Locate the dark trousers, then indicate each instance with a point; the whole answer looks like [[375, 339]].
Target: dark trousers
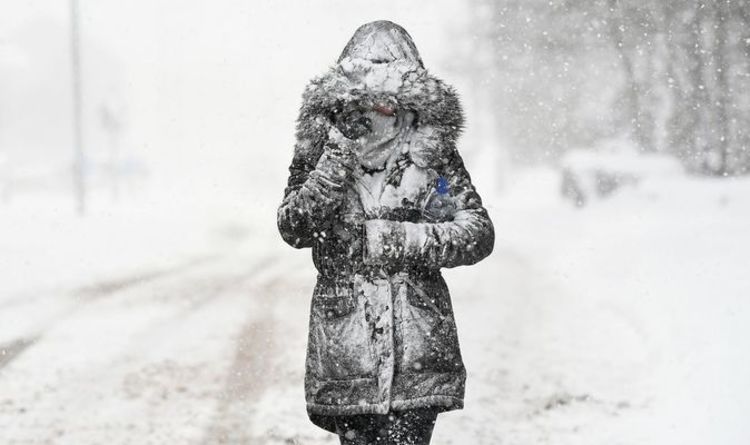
[[409, 427]]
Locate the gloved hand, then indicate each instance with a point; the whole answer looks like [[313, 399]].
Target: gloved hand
[[349, 230], [351, 121], [338, 163]]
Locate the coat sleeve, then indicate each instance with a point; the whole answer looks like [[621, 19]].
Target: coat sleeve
[[318, 176], [465, 240]]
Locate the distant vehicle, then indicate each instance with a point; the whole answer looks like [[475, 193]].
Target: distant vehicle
[[590, 175]]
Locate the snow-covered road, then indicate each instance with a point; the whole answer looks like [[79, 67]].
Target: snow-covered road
[[134, 358], [583, 327], [212, 351]]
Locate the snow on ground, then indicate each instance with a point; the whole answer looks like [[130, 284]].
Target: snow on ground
[[623, 322]]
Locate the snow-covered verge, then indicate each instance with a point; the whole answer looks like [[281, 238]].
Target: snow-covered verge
[[48, 252], [626, 321]]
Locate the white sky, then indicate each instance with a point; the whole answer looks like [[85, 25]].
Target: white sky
[[207, 86]]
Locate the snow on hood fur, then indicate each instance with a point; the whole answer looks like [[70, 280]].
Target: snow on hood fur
[[381, 64]]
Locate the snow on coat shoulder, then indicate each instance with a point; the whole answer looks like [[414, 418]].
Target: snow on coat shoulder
[[382, 335]]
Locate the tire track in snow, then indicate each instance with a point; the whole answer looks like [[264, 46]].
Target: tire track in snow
[[185, 294], [87, 294], [79, 297], [107, 286], [10, 351], [249, 375], [111, 286], [259, 354]]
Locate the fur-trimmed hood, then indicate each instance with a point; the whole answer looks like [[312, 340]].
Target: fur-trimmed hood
[[380, 65]]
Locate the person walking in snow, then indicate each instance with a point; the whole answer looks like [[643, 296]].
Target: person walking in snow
[[380, 193]]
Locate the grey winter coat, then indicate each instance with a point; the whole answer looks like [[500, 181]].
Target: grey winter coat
[[382, 333]]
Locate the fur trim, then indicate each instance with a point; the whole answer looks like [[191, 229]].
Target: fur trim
[[440, 117]]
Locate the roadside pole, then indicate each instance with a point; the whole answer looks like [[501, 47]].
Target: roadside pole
[[79, 180]]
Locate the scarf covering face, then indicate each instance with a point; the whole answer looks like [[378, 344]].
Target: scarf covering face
[[389, 135]]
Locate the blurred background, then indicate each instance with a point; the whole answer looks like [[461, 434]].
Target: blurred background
[[145, 294]]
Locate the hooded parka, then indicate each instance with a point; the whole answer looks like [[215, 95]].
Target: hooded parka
[[382, 335]]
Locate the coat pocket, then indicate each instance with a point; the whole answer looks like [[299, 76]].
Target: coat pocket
[[336, 307], [430, 340], [332, 299], [339, 346]]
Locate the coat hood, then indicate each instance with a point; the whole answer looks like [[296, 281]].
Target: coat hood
[[381, 64], [382, 42]]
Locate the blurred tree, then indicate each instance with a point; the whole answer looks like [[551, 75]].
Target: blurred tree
[[637, 29], [708, 67], [545, 75], [670, 76]]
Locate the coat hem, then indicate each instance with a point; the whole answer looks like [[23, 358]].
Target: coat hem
[[447, 403]]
